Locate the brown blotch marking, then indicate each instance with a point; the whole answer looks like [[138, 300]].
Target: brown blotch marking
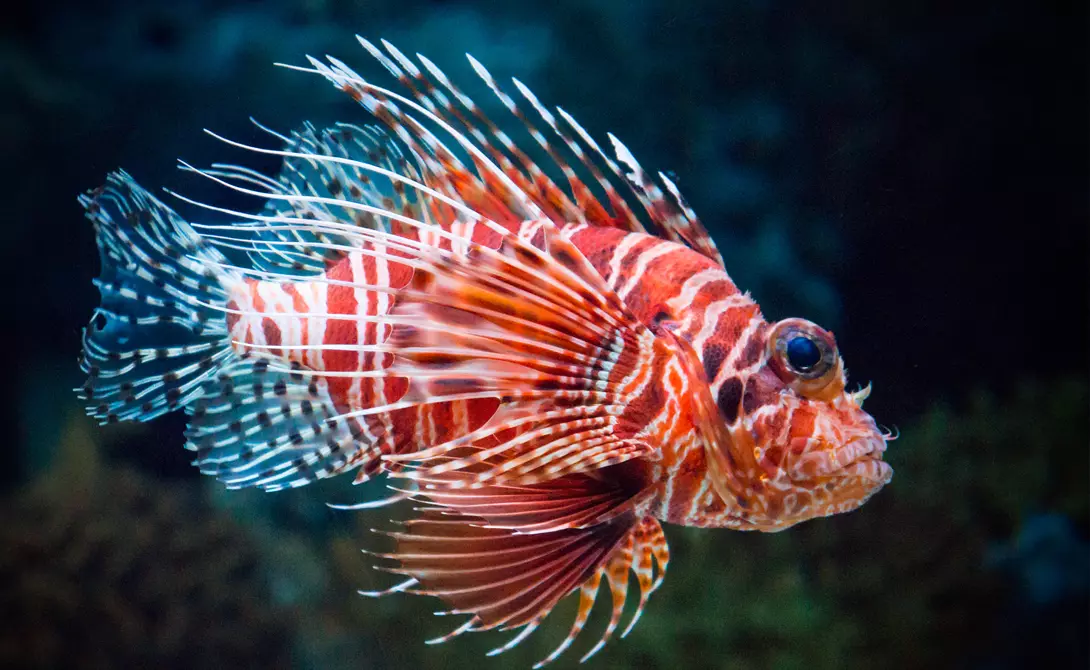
[[761, 389], [730, 395], [752, 353], [713, 356]]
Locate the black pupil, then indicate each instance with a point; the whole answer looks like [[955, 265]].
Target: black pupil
[[802, 353]]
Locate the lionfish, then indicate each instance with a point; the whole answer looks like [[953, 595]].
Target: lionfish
[[552, 372]]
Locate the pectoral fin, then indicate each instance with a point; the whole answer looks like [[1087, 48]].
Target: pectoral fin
[[507, 555]]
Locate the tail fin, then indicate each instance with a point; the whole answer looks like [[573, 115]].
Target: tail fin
[[160, 330]]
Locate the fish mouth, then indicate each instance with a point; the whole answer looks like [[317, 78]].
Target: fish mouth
[[862, 458], [858, 459]]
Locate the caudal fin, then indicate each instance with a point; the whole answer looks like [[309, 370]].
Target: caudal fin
[[160, 330]]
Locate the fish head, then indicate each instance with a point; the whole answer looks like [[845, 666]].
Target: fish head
[[796, 443]]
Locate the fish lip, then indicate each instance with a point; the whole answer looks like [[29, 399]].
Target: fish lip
[[858, 457], [859, 448], [865, 459]]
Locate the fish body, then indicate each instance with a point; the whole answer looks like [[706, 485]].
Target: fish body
[[549, 374]]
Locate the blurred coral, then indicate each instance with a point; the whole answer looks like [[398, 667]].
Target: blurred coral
[[104, 567]]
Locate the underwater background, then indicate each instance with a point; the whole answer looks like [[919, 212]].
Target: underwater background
[[912, 175]]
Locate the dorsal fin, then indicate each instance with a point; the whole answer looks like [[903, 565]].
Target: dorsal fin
[[320, 179], [526, 189], [526, 175]]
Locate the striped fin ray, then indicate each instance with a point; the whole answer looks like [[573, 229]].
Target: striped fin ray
[[499, 190], [158, 333], [662, 202], [441, 169], [324, 167], [555, 202], [464, 551], [527, 176], [505, 579], [644, 553], [257, 426], [591, 209], [671, 215], [624, 217], [571, 501]]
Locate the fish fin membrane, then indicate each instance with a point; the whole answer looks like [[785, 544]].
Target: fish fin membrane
[[256, 426], [160, 329], [320, 181], [538, 329], [466, 551]]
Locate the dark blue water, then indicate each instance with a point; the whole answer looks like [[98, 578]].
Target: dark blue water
[[910, 176]]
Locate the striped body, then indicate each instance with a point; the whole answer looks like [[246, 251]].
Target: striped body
[[658, 281]]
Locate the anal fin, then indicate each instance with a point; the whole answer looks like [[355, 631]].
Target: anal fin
[[260, 426]]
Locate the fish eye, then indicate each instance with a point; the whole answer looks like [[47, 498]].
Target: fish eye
[[805, 357], [802, 353]]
